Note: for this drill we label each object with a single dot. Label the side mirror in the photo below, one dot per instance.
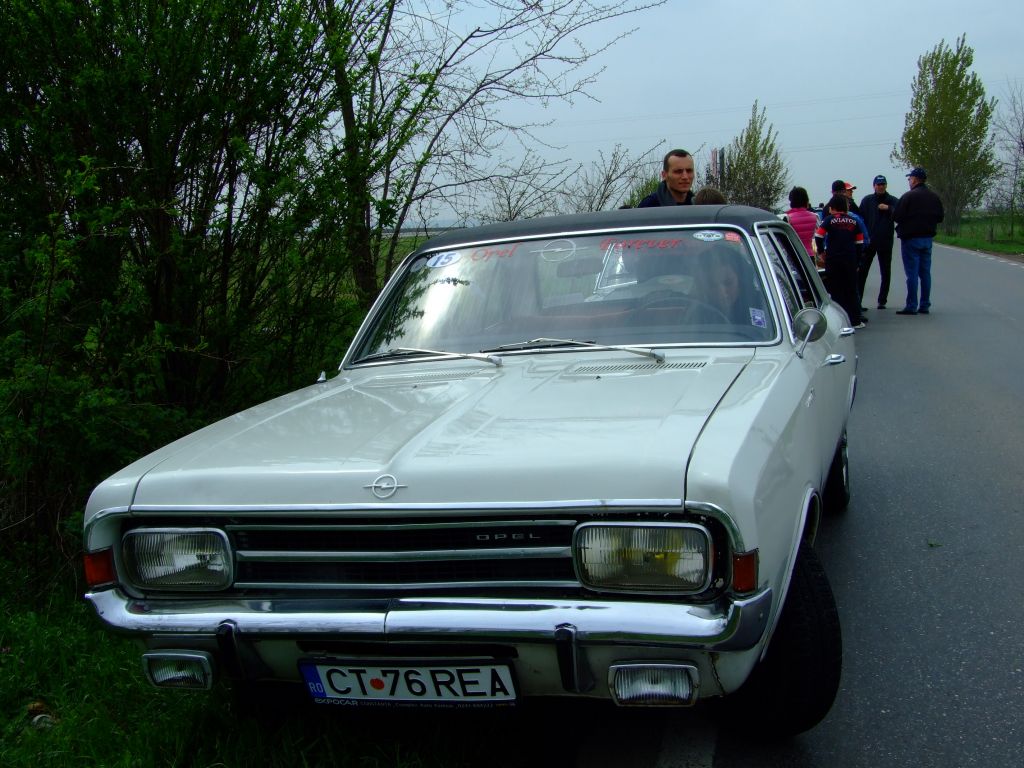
(808, 325)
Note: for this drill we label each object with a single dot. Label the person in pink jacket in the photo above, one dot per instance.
(802, 219)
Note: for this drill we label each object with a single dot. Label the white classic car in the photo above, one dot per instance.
(576, 456)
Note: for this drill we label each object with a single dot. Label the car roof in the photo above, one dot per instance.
(627, 218)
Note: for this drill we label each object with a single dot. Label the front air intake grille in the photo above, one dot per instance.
(361, 555)
(369, 575)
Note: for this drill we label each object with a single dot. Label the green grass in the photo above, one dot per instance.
(57, 660)
(989, 233)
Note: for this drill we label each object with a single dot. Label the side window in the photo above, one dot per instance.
(783, 276)
(799, 264)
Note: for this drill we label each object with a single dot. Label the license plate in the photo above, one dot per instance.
(448, 683)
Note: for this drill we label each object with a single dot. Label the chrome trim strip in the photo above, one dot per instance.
(582, 231)
(723, 626)
(407, 586)
(726, 521)
(397, 526)
(439, 508)
(427, 555)
(99, 518)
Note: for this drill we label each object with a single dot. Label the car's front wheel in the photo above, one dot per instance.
(793, 687)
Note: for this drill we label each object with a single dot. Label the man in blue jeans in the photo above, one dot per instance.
(917, 216)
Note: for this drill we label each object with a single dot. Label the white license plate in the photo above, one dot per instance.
(434, 683)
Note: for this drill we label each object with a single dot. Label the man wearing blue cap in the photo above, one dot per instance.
(877, 209)
(917, 216)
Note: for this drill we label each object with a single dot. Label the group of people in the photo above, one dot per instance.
(847, 237)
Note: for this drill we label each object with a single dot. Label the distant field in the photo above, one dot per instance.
(989, 233)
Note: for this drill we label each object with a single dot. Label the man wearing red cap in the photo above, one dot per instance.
(845, 188)
(840, 187)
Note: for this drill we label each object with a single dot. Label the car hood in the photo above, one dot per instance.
(556, 428)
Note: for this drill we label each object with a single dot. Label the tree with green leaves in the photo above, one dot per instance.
(199, 199)
(754, 172)
(165, 255)
(946, 131)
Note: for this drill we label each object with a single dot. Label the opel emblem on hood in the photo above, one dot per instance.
(385, 486)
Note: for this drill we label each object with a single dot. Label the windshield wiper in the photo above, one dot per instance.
(543, 342)
(404, 351)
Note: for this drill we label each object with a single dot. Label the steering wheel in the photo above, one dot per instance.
(693, 308)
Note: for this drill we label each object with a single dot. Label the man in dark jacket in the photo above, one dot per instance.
(676, 180)
(877, 209)
(840, 237)
(917, 216)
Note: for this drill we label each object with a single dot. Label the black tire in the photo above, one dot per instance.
(836, 497)
(793, 687)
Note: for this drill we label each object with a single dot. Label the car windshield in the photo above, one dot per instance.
(645, 288)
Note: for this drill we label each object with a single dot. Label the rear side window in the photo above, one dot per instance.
(795, 256)
(783, 276)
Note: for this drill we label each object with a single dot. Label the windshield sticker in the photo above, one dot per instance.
(707, 236)
(757, 318)
(486, 254)
(443, 259)
(639, 245)
(558, 250)
(733, 237)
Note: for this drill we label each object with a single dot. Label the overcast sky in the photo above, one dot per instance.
(835, 79)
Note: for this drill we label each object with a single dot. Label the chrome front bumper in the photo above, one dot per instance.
(736, 625)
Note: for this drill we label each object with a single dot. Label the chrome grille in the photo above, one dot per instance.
(416, 554)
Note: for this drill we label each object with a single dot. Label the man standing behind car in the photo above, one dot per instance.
(841, 237)
(877, 209)
(917, 216)
(676, 181)
(840, 187)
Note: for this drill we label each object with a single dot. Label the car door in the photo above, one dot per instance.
(830, 362)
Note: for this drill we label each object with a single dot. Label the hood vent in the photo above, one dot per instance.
(591, 370)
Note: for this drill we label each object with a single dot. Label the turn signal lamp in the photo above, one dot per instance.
(99, 568)
(744, 571)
